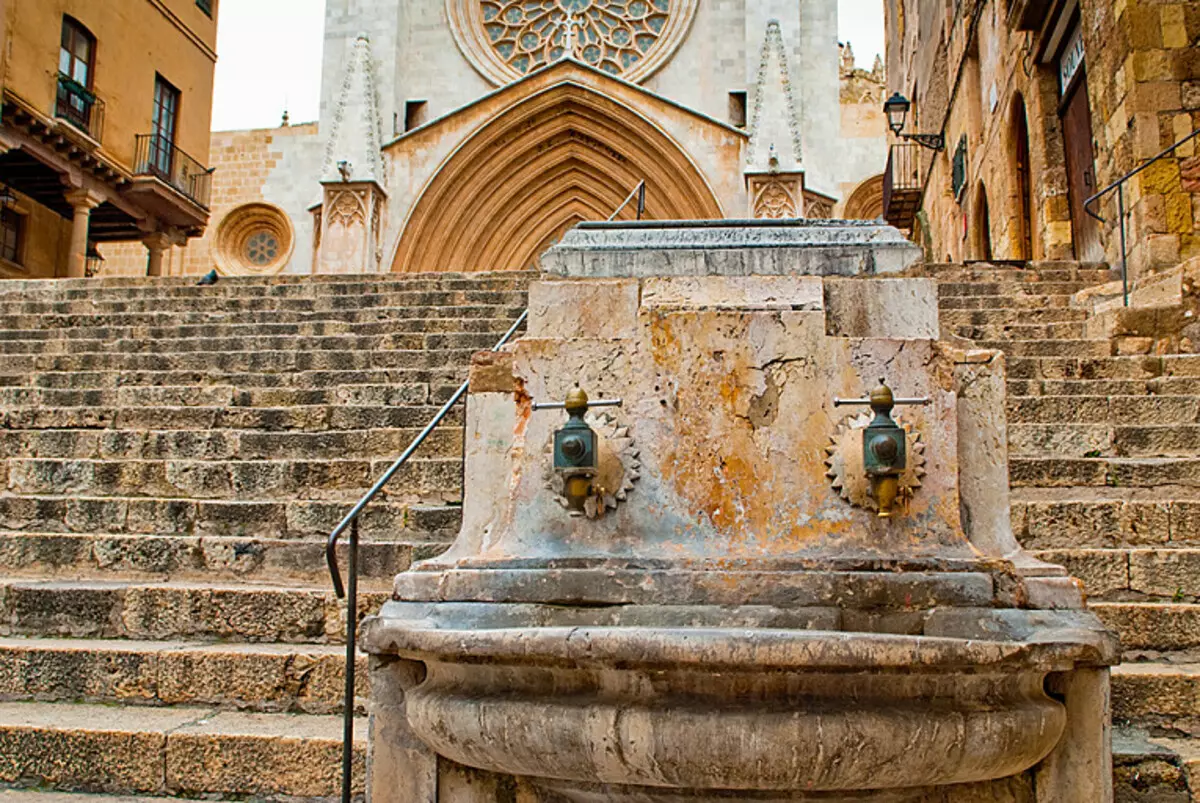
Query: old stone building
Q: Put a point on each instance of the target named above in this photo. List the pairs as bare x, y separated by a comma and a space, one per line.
1041, 105
468, 136
104, 131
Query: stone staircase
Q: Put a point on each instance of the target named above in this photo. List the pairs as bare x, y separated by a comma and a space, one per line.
173, 459
1105, 474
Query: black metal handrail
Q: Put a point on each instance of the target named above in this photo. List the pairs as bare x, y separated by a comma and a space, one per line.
1119, 186
158, 156
79, 106
349, 590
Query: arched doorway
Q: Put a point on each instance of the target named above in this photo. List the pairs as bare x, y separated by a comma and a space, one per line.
866, 202
1023, 182
565, 154
983, 226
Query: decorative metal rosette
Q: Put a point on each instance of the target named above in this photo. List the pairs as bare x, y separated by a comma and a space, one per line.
619, 467
845, 462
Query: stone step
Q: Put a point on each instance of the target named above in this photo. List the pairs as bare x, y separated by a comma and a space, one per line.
1130, 367
423, 478
1049, 348
1078, 518
1164, 574
45, 796
1118, 472
450, 376
407, 314
226, 444
409, 401
1002, 317
1154, 770
316, 328
170, 611
248, 361
1143, 410
1158, 386
1053, 270
291, 518
1163, 696
1108, 440
1157, 627
1022, 331
435, 298
975, 301
343, 344
948, 289
269, 678
185, 750
216, 559
310, 418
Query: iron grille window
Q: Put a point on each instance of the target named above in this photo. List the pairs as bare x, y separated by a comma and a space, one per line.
12, 227
205, 6
959, 173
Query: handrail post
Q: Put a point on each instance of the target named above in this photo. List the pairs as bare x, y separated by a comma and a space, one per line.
351, 655
1124, 265
641, 207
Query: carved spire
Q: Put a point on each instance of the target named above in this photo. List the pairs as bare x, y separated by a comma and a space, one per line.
353, 151
775, 120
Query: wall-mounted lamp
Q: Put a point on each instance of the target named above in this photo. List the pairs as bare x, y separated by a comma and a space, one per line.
896, 108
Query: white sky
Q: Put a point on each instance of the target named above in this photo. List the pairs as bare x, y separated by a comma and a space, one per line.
270, 57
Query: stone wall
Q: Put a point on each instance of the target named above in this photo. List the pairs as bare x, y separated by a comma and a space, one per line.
973, 73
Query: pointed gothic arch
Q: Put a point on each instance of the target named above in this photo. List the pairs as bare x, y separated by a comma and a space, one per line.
564, 154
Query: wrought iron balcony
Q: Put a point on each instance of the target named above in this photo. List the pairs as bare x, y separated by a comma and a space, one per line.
80, 107
158, 156
902, 185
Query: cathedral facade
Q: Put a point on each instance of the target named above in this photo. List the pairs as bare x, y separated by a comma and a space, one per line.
469, 135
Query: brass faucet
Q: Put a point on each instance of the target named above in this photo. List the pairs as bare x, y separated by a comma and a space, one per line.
576, 452
885, 446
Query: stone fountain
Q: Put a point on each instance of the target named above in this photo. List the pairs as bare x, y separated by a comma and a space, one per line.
761, 552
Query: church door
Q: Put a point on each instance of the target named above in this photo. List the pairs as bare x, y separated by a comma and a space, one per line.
1077, 141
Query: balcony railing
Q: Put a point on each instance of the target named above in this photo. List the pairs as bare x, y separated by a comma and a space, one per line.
79, 107
902, 185
159, 157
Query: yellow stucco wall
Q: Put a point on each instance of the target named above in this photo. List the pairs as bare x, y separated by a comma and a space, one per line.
135, 39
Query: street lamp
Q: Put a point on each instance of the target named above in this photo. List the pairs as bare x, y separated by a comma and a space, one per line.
896, 108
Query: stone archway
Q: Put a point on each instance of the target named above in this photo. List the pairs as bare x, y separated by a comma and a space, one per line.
565, 154
866, 202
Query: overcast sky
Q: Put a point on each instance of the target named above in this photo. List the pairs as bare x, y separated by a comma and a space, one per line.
270, 57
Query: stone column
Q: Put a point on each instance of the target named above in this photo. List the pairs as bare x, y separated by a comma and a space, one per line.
83, 202
157, 245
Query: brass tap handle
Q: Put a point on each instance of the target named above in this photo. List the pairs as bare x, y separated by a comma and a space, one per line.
881, 397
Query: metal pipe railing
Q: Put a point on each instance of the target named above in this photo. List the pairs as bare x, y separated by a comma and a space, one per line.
640, 193
1119, 186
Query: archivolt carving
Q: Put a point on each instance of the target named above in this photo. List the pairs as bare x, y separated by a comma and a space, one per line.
254, 239
507, 39
561, 155
866, 202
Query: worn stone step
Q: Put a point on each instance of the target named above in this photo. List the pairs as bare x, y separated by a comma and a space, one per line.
167, 611
1165, 574
1144, 472
309, 418
1157, 386
299, 678
1154, 769
289, 518
1049, 348
317, 328
1083, 440
1009, 288
248, 361
1001, 317
226, 444
1144, 410
217, 559
57, 322
411, 396
975, 301
450, 376
423, 478
343, 344
176, 750
1131, 367
1159, 627
1021, 331
47, 796
1039, 270
1163, 696
1075, 518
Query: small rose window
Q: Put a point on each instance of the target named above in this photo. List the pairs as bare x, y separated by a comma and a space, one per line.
254, 239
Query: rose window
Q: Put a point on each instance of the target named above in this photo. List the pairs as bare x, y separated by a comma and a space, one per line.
262, 248
507, 39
